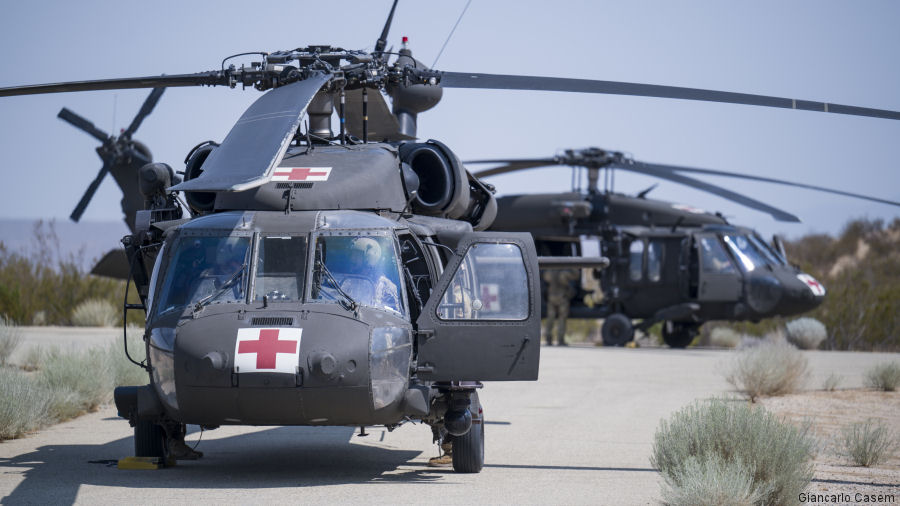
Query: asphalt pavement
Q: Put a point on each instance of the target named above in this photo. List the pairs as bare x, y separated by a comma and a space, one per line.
581, 434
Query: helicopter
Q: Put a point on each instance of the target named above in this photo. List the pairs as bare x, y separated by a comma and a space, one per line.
670, 263
465, 307
317, 279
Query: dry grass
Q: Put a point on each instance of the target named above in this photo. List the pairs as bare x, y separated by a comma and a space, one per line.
95, 313
884, 377
724, 337
66, 384
868, 443
10, 338
832, 382
773, 367
24, 404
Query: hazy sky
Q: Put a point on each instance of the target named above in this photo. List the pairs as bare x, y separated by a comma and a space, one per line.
839, 52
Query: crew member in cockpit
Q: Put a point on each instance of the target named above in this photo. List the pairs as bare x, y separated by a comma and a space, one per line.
366, 281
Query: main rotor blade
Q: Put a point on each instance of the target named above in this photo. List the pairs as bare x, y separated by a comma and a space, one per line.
89, 194
381, 43
81, 123
517, 82
511, 165
258, 141
146, 109
211, 78
660, 172
651, 170
772, 180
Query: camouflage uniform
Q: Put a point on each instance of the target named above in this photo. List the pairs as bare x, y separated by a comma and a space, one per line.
559, 295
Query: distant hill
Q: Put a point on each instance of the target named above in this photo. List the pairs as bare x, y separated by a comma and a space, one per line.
85, 242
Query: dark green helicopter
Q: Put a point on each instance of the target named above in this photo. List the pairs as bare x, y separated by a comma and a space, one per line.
669, 263
326, 279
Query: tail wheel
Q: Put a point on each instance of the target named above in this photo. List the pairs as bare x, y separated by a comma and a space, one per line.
617, 330
468, 450
149, 440
677, 334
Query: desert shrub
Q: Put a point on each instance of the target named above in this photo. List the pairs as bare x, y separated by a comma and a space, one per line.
884, 376
867, 443
806, 333
831, 382
724, 337
95, 313
10, 338
24, 404
44, 285
774, 455
82, 380
711, 482
124, 373
773, 367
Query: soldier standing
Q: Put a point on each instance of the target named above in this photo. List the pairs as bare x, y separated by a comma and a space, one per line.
559, 295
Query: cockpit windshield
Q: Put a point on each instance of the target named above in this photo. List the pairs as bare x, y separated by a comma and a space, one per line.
205, 269
748, 255
362, 268
773, 256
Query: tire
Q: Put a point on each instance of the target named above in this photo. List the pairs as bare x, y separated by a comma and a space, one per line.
617, 330
149, 440
468, 449
678, 335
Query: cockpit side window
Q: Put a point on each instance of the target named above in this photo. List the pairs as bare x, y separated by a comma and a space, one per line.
415, 272
205, 268
280, 268
713, 258
363, 268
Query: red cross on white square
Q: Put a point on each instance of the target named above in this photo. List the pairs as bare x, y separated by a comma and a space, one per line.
817, 288
301, 174
267, 350
490, 297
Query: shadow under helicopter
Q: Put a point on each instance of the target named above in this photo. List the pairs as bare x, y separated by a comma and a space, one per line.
272, 458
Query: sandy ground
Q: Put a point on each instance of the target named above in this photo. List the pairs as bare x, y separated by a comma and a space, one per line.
829, 414
581, 434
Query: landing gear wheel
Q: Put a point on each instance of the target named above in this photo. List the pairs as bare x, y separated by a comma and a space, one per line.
468, 449
149, 440
678, 334
617, 330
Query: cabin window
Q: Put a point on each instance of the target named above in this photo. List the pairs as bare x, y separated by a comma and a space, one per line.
636, 262
280, 268
491, 283
654, 260
713, 258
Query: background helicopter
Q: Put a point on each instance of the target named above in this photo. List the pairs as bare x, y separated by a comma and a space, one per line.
670, 263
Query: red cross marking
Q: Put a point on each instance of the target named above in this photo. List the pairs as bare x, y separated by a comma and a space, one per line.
813, 282
299, 173
267, 348
487, 299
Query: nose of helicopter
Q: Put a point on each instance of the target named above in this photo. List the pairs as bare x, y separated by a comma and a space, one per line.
297, 367
802, 293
